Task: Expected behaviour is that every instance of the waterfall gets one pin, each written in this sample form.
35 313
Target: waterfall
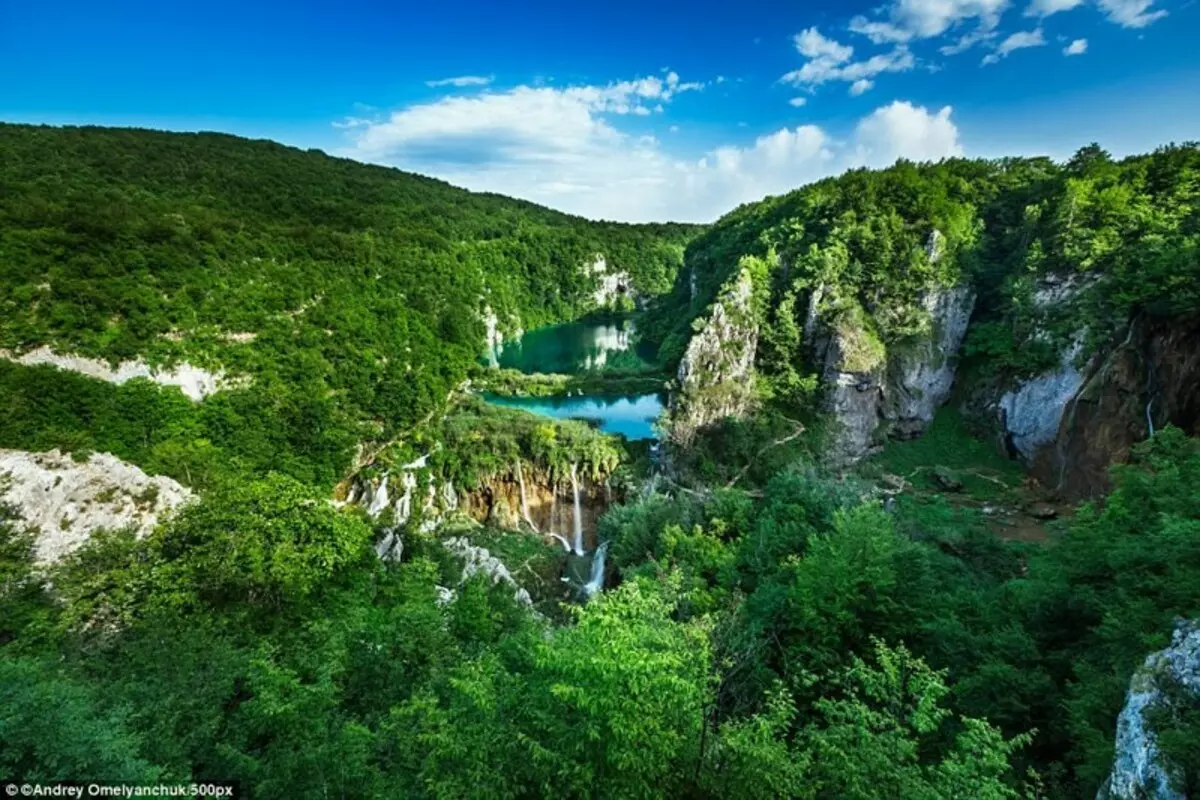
525 499
596 579
578 513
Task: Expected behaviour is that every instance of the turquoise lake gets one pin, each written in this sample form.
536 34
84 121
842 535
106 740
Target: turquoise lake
573 347
632 417
580 347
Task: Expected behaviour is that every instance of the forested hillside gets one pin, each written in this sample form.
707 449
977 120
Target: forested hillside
344 293
932 614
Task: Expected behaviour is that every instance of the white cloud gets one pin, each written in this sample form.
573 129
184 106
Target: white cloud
797 102
902 130
1131 13
824 69
967 41
811 44
907 20
562 147
1076 48
861 86
673 129
1016 41
1044 8
462 80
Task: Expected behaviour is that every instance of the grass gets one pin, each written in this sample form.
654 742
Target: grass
985 473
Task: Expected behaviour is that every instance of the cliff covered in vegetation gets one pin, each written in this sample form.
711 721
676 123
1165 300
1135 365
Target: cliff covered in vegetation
1078 283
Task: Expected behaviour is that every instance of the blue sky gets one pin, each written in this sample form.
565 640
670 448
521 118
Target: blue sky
622 110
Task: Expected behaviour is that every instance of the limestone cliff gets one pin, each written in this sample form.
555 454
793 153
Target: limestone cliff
521 498
716 375
1140 771
1070 423
65 501
614 288
873 390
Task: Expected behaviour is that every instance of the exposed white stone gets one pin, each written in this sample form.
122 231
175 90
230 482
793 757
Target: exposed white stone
379 498
1033 411
611 287
1054 290
478 561
194 382
921 375
65 501
1139 771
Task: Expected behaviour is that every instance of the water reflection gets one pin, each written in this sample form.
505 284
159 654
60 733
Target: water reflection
570 348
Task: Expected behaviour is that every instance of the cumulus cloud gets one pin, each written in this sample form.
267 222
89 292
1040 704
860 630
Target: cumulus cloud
1076 48
563 147
902 130
462 80
1131 13
861 86
797 102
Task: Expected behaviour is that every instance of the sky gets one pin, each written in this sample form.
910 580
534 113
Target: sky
633 111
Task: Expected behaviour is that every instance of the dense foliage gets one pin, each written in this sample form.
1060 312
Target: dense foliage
801 644
771 630
347 293
869 243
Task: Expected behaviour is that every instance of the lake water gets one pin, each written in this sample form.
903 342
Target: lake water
632 417
580 347
574 347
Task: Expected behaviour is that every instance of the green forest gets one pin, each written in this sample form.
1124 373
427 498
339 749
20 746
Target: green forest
769 627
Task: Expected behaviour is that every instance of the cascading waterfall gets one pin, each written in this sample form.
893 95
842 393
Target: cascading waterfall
596 579
578 512
524 498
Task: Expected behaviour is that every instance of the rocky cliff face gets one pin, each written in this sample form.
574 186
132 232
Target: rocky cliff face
873 391
1070 423
716 375
524 498
1141 385
614 288
65 501
478 561
1140 771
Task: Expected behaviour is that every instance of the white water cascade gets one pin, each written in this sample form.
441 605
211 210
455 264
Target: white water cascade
578 513
524 498
596 579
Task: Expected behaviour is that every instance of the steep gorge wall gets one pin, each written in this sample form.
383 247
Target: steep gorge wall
1069 423
875 391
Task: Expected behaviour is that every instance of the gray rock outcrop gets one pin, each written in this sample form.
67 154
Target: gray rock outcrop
873 390
65 501
479 561
716 375
1032 411
1139 770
